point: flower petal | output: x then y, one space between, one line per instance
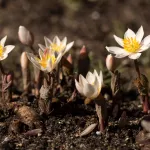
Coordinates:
41 53
58 58
42 47
47 41
33 59
144 48
50 66
64 41
99 78
96 74
90 77
134 56
115 50
68 47
129 33
82 80
4 56
122 55
3 40
79 87
8 48
53 65
56 40
119 40
97 88
88 90
140 34
146 41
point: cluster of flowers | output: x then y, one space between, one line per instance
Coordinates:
51 54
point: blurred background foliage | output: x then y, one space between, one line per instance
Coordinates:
87 22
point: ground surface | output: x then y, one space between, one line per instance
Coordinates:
62 127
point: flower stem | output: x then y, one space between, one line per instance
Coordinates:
137 68
100 117
145 97
1 69
2 77
33 49
146 104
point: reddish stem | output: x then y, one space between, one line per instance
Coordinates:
2 77
146 105
137 68
145 98
100 117
102 125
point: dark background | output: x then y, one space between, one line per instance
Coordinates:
87 22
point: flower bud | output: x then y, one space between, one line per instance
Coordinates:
83 62
24 60
25 71
110 63
83 52
9 77
25 36
69 58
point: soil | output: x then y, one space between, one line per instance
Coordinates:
61 129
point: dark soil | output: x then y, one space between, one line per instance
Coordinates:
62 127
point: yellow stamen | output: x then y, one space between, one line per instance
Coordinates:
131 45
56 47
46 56
53 59
1 51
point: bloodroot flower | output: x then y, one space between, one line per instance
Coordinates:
57 45
90 86
4 50
47 61
132 44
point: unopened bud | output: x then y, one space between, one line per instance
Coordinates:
83 62
69 58
83 52
9 77
110 63
25 36
25 71
24 60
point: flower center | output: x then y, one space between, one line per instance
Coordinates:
53 59
131 45
45 58
1 51
56 47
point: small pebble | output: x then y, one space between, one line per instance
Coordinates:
98 133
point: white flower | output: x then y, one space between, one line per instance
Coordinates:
90 86
25 36
132 44
57 45
47 61
4 50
